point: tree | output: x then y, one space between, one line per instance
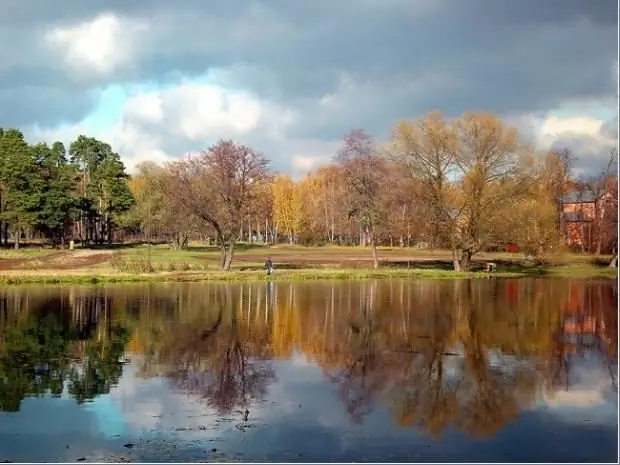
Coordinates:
488 159
217 187
363 173
58 206
605 206
557 174
102 189
286 206
427 150
22 185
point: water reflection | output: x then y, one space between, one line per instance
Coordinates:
464 356
45 348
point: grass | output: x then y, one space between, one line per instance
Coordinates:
12 254
238 276
198 263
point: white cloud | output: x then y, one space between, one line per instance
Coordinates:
135 145
162 124
308 155
554 127
584 135
102 44
145 107
578 398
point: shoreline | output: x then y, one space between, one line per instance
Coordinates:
337 274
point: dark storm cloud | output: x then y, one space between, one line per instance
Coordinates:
406 56
24 106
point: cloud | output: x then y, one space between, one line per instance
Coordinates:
590 140
102 44
590 392
292 79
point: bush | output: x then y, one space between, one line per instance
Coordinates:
139 265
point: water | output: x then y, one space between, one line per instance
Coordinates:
519 370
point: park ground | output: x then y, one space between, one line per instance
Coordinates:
200 263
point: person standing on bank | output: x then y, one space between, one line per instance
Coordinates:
269 266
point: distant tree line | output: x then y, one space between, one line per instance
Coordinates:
468 185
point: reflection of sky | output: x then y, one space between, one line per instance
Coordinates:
301 419
591 396
109 417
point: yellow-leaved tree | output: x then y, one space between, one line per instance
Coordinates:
287 209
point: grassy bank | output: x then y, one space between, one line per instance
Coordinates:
102 276
200 263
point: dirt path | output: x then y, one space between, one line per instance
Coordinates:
63 260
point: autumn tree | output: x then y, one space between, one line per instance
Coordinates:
465 169
286 206
488 161
157 214
426 149
217 187
364 174
261 214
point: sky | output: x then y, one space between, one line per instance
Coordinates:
158 79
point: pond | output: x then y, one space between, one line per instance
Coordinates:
394 370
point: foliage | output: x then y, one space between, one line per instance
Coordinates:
469 184
287 208
44 191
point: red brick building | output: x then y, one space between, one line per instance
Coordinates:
582 213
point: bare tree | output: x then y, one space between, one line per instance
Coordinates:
598 186
364 172
557 173
217 186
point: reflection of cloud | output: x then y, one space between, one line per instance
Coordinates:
591 395
150 404
578 398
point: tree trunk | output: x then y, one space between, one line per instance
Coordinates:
599 242
455 259
228 255
17 234
373 248
614 262
222 256
465 260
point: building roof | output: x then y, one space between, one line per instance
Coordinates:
581 197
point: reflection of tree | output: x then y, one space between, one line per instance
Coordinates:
217 363
489 393
462 354
100 368
422 393
467 354
361 376
33 361
38 352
